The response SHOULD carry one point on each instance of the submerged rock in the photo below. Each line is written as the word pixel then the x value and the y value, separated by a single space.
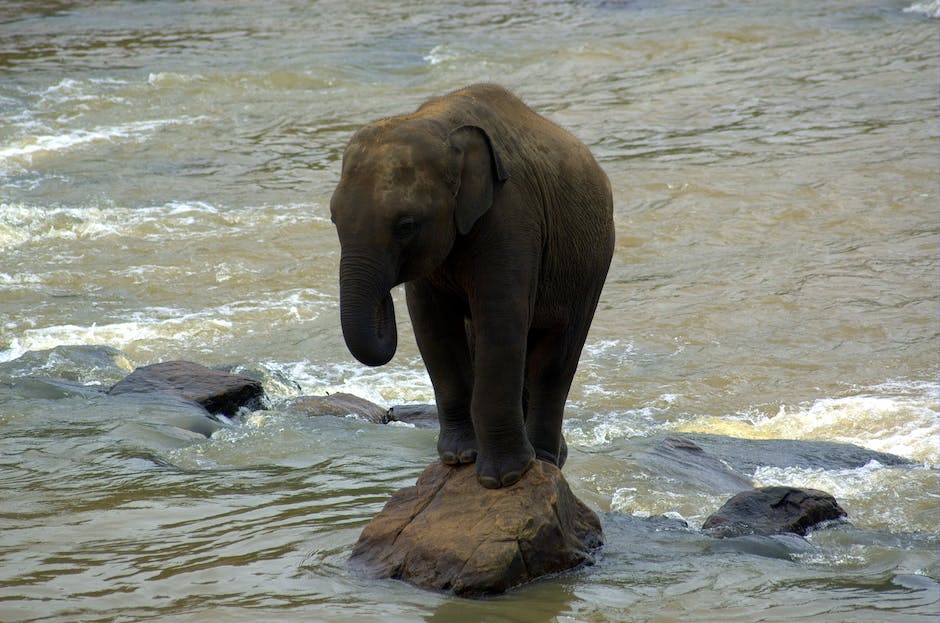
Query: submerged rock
pixel 680 459
pixel 746 455
pixel 773 510
pixel 216 391
pixel 340 405
pixel 449 533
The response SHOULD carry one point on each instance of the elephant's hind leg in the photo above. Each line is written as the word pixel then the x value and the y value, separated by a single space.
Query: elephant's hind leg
pixel 550 367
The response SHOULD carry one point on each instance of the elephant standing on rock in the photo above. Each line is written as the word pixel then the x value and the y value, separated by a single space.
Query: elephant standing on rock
pixel 500 225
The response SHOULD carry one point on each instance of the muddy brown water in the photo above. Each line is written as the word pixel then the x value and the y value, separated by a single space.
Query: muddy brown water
pixel 165 173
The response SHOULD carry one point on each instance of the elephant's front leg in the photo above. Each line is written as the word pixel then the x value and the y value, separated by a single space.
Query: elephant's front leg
pixel 438 322
pixel 504 451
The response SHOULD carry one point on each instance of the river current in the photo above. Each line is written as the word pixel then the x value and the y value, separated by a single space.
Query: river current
pixel 165 175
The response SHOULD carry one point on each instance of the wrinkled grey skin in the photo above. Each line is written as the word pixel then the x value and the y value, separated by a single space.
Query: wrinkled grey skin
pixel 500 225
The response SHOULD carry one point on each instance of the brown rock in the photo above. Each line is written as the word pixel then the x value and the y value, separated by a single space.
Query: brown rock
pixel 216 391
pixel 773 510
pixel 341 405
pixel 449 533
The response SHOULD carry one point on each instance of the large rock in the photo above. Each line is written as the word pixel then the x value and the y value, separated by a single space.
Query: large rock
pixel 449 533
pixel 773 510
pixel 216 391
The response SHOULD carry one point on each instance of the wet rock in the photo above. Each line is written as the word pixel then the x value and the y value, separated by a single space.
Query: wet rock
pixel 340 405
pixel 680 459
pixel 449 533
pixel 420 416
pixel 218 392
pixel 780 546
pixel 773 510
pixel 746 455
pixel 166 414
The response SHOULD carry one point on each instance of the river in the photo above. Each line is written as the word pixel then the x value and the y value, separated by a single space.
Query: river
pixel 165 175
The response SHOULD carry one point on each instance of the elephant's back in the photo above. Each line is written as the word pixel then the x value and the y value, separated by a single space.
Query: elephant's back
pixel 555 186
pixel 545 162
pixel 528 143
pixel 517 131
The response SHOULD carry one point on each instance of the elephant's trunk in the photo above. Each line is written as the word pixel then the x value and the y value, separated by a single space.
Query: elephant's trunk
pixel 367 313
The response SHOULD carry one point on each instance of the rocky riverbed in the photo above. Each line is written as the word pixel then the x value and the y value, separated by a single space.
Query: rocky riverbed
pixel 448 533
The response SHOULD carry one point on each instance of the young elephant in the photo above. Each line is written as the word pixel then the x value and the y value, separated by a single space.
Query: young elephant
pixel 500 224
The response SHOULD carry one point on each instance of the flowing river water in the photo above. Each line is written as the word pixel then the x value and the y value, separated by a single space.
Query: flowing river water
pixel 165 175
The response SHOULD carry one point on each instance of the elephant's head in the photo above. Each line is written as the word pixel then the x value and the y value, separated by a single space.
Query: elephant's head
pixel 407 190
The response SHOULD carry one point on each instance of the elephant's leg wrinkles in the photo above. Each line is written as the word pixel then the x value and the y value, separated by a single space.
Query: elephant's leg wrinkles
pixel 439 329
pixel 550 366
pixel 505 452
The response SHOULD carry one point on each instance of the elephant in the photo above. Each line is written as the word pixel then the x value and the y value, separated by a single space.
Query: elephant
pixel 500 225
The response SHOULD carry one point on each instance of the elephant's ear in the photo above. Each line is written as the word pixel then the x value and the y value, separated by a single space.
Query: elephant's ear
pixel 480 173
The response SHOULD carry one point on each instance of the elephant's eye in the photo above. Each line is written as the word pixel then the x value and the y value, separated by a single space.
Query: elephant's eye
pixel 406 228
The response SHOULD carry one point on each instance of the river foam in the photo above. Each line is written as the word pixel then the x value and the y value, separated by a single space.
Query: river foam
pixel 156 329
pixel 898 417
pixel 27 150
pixel 930 9
pixel 22 223
pixel 907 495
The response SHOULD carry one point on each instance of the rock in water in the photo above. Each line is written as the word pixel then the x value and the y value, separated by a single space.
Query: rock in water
pixel 747 455
pixel 420 416
pixel 340 405
pixel 679 459
pixel 773 510
pixel 449 533
pixel 217 392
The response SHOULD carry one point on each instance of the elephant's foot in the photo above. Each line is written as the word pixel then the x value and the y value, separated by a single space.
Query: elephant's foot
pixel 555 458
pixel 457 447
pixel 505 471
pixel 548 457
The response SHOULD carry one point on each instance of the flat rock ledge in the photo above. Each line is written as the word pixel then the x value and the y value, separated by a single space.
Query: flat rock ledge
pixel 448 533
pixel 773 510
